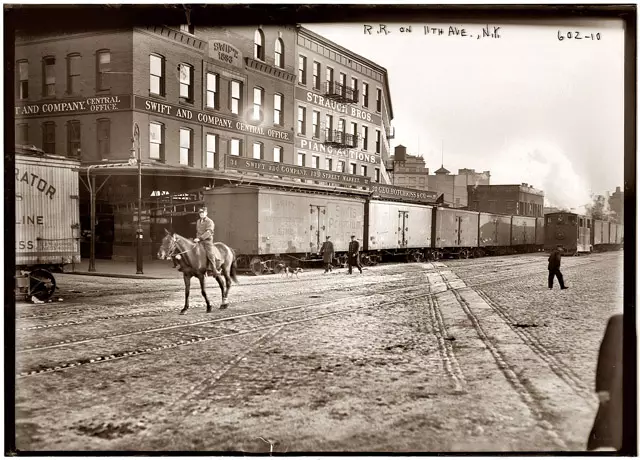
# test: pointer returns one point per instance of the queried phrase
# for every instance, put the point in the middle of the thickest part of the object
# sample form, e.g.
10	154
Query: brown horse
191	260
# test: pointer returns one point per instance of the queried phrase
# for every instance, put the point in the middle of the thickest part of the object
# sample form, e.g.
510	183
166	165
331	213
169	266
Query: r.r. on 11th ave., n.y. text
487	31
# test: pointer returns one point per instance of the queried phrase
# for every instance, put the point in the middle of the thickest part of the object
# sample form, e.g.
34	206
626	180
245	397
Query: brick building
616	204
186	101
519	200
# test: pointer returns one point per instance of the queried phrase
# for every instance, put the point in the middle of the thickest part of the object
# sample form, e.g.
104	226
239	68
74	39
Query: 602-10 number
577	36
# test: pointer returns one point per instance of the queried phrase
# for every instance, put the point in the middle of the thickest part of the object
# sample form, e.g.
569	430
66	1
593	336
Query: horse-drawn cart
47	220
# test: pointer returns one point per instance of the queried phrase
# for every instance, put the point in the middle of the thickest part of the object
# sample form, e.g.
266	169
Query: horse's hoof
182	312
223	306
208	310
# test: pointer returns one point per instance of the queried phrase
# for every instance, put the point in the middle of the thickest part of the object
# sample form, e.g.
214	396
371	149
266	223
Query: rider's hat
202	209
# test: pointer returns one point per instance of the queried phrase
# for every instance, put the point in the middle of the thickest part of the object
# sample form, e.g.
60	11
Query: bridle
174	247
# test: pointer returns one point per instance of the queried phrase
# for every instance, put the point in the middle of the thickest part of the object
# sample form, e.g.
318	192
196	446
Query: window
236	147
377	174
213	91
186	82
363	170
341	125
301	159
22	134
354	86
302	121
353	169
316	75
341	166
258	100
236	95
73	74
302	70
211	158
186	152
329	77
279	56
329	164
365	137
378	100
258	151
156	75
73	138
354	129
103	63
104	133
377	141
258	45
343	80
329	122
49	77
49	137
277	154
156	141
365	94
315	121
277	109
23	80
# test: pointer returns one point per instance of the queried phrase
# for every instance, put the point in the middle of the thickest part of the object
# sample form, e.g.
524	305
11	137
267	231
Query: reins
174	247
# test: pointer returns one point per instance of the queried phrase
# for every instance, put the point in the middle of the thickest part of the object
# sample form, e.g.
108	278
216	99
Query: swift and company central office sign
210	119
86	105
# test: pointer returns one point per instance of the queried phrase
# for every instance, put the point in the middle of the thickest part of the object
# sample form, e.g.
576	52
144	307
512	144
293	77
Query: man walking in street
327	254
204	234
554	267
354	254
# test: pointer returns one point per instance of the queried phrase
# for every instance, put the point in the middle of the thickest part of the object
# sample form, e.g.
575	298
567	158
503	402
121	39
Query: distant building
616	204
519	200
411	171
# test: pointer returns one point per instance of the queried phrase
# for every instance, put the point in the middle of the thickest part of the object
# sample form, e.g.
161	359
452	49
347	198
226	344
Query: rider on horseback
204	233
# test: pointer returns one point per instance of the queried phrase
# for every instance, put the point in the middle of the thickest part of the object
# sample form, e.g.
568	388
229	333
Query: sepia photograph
319	229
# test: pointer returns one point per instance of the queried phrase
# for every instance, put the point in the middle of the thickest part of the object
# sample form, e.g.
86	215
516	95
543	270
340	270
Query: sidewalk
151	269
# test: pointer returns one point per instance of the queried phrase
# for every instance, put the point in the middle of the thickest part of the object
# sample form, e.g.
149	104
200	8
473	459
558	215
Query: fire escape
342	94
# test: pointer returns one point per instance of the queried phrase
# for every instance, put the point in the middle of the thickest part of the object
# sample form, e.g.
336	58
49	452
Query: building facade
518	200
616	204
343	109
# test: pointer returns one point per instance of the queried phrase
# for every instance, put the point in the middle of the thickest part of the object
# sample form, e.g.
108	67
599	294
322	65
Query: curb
119	275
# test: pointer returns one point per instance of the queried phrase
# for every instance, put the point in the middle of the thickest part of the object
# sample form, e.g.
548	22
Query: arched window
258	47
279	56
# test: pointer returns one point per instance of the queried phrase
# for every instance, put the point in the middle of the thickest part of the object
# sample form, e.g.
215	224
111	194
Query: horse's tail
234	266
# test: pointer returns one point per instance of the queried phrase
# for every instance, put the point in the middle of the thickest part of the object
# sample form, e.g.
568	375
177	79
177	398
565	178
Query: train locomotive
581	234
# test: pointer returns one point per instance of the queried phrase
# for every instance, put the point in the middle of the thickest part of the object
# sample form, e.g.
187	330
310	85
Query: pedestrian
607	426
554	267
327	254
204	234
354	254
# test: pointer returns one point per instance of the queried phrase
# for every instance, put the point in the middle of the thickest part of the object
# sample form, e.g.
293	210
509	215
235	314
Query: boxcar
455	232
266	225
494	233
397	228
597	235
569	230
47	220
523	233
539	233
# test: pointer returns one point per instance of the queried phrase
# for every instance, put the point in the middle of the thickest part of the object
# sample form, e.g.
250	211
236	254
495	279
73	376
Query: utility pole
135	153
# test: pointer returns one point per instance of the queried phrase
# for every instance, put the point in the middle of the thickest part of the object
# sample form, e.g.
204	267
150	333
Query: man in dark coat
327	254
354	254
554	267
204	234
607	426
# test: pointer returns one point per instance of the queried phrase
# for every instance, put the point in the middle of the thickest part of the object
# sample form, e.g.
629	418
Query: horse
191	260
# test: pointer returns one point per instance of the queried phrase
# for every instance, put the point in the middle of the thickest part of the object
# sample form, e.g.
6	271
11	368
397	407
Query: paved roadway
472	355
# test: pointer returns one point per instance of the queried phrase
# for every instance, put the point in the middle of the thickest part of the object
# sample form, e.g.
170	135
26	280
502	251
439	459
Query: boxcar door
317	227
403	228
458	230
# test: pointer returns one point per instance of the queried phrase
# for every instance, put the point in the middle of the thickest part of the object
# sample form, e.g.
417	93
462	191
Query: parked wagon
47	220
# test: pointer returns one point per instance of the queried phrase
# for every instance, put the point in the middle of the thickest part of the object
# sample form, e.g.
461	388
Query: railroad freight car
523	233
494	234
455	232
393	228
268	226
47	220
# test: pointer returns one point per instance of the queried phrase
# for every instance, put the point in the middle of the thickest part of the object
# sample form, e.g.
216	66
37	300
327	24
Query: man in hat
327	254
554	267
204	234
354	254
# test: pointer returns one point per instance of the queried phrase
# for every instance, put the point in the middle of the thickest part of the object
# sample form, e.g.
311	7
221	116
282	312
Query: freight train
271	227
47	220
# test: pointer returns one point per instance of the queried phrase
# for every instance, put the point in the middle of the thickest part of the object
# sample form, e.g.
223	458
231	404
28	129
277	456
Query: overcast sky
526	106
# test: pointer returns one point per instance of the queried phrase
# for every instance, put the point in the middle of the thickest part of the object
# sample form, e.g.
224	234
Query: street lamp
135	157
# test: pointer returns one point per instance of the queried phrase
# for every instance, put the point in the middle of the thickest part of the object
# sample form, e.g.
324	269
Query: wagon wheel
42	284
257	266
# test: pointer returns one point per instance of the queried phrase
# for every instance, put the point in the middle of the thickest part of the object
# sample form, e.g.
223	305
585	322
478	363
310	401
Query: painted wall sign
391	191
297	172
350	110
209	119
225	52
352	154
87	105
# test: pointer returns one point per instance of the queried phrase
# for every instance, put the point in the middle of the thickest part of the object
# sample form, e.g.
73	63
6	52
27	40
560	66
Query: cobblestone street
464	355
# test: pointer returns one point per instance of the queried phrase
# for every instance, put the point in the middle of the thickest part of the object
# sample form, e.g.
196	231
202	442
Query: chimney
400	153
617	189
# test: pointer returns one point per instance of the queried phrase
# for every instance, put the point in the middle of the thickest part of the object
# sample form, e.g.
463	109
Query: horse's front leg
187	287
204	293
223	290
